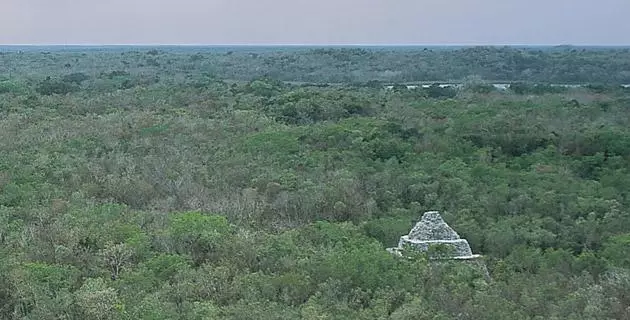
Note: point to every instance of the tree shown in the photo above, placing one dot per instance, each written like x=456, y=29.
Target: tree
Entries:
x=116, y=257
x=200, y=235
x=51, y=86
x=98, y=301
x=617, y=250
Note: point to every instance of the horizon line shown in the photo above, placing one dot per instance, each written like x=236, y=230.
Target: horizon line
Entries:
x=310, y=44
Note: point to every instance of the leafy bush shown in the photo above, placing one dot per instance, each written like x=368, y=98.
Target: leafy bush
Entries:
x=7, y=86
x=50, y=86
x=75, y=78
x=536, y=89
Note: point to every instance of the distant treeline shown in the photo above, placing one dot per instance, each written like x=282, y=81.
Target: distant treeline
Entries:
x=570, y=65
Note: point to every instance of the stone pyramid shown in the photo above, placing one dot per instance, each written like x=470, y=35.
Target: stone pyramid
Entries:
x=431, y=231
x=432, y=227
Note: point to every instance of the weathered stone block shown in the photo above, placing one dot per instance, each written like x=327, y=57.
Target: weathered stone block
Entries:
x=433, y=232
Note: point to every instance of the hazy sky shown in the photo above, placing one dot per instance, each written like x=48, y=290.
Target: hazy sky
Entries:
x=603, y=22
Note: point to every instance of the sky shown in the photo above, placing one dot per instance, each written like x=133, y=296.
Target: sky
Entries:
x=213, y=22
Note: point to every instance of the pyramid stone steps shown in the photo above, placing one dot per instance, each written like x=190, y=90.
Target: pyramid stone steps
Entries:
x=430, y=232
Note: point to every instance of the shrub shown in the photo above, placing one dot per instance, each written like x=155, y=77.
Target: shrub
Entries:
x=49, y=87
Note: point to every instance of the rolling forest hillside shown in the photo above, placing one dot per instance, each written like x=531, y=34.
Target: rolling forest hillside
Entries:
x=149, y=184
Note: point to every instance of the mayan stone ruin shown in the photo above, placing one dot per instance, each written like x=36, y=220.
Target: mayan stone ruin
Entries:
x=433, y=232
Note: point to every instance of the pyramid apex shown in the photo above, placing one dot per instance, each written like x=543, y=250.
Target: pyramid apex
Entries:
x=432, y=227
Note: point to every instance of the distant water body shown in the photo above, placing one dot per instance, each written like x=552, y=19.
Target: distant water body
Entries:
x=498, y=86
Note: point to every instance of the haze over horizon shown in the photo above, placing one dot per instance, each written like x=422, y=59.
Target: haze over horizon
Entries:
x=289, y=22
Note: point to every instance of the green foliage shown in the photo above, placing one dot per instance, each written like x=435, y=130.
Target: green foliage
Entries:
x=76, y=78
x=617, y=250
x=7, y=285
x=52, y=86
x=436, y=91
x=108, y=176
x=481, y=88
x=51, y=276
x=263, y=87
x=201, y=236
x=387, y=230
x=98, y=301
x=538, y=89
x=7, y=86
